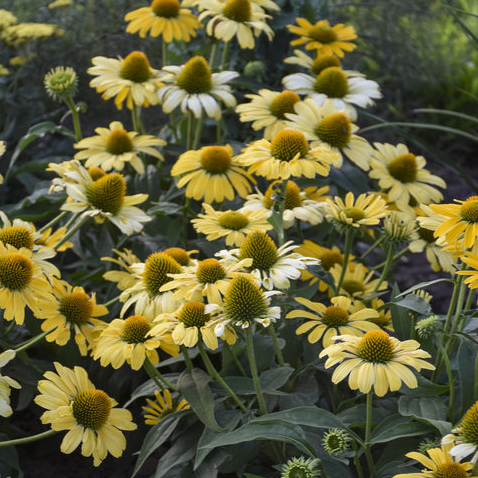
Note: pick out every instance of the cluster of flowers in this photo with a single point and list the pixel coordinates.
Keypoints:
(173, 301)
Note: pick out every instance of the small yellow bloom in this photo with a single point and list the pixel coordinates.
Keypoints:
(162, 406)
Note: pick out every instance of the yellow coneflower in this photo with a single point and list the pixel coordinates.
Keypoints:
(162, 406)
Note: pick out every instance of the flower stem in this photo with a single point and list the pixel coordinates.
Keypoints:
(134, 117)
(275, 341)
(111, 302)
(187, 359)
(75, 117)
(154, 373)
(224, 55)
(189, 137)
(372, 247)
(278, 210)
(215, 375)
(349, 237)
(53, 221)
(236, 360)
(368, 429)
(212, 56)
(20, 441)
(164, 52)
(358, 466)
(451, 380)
(197, 132)
(33, 340)
(386, 267)
(72, 231)
(255, 376)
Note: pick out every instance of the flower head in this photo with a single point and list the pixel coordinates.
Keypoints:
(5, 384)
(212, 173)
(287, 155)
(375, 360)
(300, 468)
(114, 147)
(90, 415)
(439, 464)
(131, 79)
(336, 441)
(61, 83)
(164, 18)
(162, 406)
(241, 18)
(196, 88)
(344, 316)
(234, 226)
(323, 38)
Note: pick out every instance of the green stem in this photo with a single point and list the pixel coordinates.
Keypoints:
(187, 204)
(72, 219)
(386, 267)
(255, 376)
(154, 373)
(111, 302)
(475, 394)
(76, 118)
(275, 341)
(134, 117)
(368, 429)
(278, 210)
(236, 360)
(212, 56)
(218, 131)
(33, 340)
(372, 247)
(215, 375)
(20, 441)
(53, 221)
(224, 55)
(187, 359)
(72, 231)
(349, 237)
(189, 137)
(197, 132)
(451, 380)
(358, 466)
(164, 52)
(9, 328)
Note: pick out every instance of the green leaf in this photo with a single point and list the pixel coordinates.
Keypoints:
(425, 388)
(180, 452)
(415, 303)
(467, 371)
(155, 437)
(428, 410)
(194, 388)
(37, 131)
(400, 318)
(422, 285)
(276, 430)
(275, 378)
(166, 208)
(396, 426)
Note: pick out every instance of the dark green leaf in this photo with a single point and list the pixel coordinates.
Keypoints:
(194, 388)
(466, 371)
(430, 410)
(425, 388)
(396, 426)
(415, 303)
(156, 437)
(275, 378)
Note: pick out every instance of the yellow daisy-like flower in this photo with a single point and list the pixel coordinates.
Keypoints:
(464, 438)
(439, 464)
(345, 88)
(235, 18)
(305, 205)
(124, 279)
(232, 225)
(165, 18)
(149, 277)
(22, 283)
(114, 147)
(193, 87)
(403, 175)
(209, 278)
(131, 79)
(384, 318)
(358, 282)
(471, 260)
(74, 404)
(453, 222)
(105, 198)
(375, 360)
(130, 340)
(314, 64)
(162, 406)
(344, 316)
(323, 38)
(73, 310)
(267, 110)
(288, 154)
(194, 321)
(49, 238)
(245, 303)
(366, 210)
(272, 267)
(327, 125)
(212, 173)
(5, 384)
